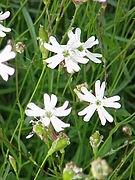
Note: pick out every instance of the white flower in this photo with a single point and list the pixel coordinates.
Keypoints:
(98, 103)
(6, 55)
(50, 113)
(3, 29)
(81, 48)
(73, 53)
(64, 52)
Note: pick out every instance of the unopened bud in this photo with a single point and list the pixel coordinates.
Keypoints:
(95, 139)
(43, 37)
(12, 162)
(71, 171)
(20, 47)
(40, 130)
(59, 144)
(100, 169)
(127, 130)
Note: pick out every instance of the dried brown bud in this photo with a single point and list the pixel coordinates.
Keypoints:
(20, 47)
(127, 130)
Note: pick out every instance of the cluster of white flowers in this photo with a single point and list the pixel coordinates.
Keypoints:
(7, 53)
(73, 53)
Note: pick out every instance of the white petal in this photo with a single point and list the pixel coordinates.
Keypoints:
(56, 44)
(78, 33)
(91, 111)
(7, 54)
(97, 88)
(107, 115)
(70, 34)
(58, 124)
(45, 121)
(54, 61)
(2, 28)
(71, 66)
(92, 57)
(53, 100)
(80, 59)
(84, 111)
(4, 74)
(90, 42)
(47, 102)
(102, 89)
(112, 104)
(4, 15)
(34, 110)
(51, 48)
(61, 112)
(112, 99)
(97, 55)
(9, 70)
(101, 116)
(89, 95)
(2, 34)
(29, 135)
(63, 107)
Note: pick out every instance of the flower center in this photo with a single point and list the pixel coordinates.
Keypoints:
(98, 102)
(80, 48)
(48, 114)
(66, 53)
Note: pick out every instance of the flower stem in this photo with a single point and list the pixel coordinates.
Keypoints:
(68, 82)
(57, 85)
(101, 43)
(41, 166)
(42, 73)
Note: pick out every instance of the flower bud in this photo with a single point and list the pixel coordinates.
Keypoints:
(13, 162)
(43, 37)
(100, 169)
(71, 171)
(79, 1)
(59, 144)
(95, 139)
(40, 131)
(19, 47)
(127, 130)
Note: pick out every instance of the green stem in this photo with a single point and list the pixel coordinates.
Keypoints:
(42, 73)
(69, 79)
(58, 78)
(41, 166)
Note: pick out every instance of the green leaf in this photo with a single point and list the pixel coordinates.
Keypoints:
(31, 27)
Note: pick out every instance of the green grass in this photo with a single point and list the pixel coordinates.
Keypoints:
(33, 79)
